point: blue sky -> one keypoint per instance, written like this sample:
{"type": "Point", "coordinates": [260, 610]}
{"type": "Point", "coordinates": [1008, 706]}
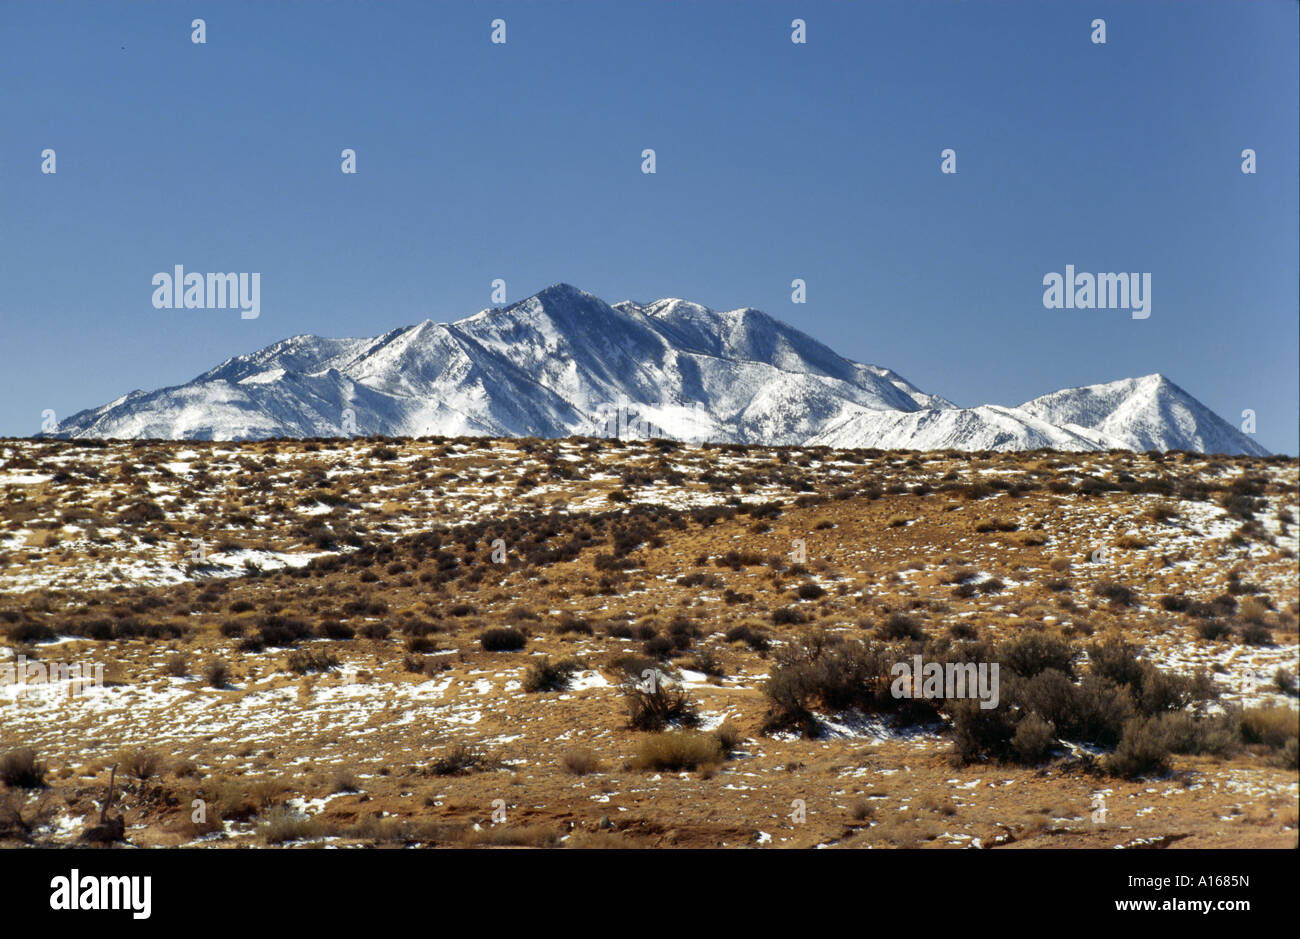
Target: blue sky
{"type": "Point", "coordinates": [775, 161]}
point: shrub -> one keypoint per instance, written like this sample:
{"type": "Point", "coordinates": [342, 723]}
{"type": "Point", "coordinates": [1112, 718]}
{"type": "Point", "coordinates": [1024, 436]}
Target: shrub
{"type": "Point", "coordinates": [31, 632]}
{"type": "Point", "coordinates": [996, 525]}
{"type": "Point", "coordinates": [676, 751]}
{"type": "Point", "coordinates": [1269, 725]}
{"type": "Point", "coordinates": [281, 824]}
{"type": "Point", "coordinates": [1174, 604]}
{"type": "Point", "coordinates": [1213, 629]}
{"type": "Point", "coordinates": [979, 732]}
{"type": "Point", "coordinates": [1185, 733]}
{"type": "Point", "coordinates": [1289, 756]}
{"type": "Point", "coordinates": [1284, 680]}
{"type": "Point", "coordinates": [333, 629]}
{"type": "Point", "coordinates": [462, 759]}
{"type": "Point", "coordinates": [861, 810]}
{"type": "Point", "coordinates": [786, 616]}
{"type": "Point", "coordinates": [545, 675]}
{"type": "Point", "coordinates": [1101, 709]}
{"type": "Point", "coordinates": [655, 706]}
{"type": "Point", "coordinates": [1252, 609]}
{"type": "Point", "coordinates": [729, 737]}
{"type": "Point", "coordinates": [1117, 661]}
{"type": "Point", "coordinates": [304, 661]}
{"type": "Point", "coordinates": [1051, 695]}
{"type": "Point", "coordinates": [1117, 594]}
{"type": "Point", "coordinates": [579, 761]}
{"type": "Point", "coordinates": [282, 631]}
{"type": "Point", "coordinates": [1029, 654]}
{"type": "Point", "coordinates": [707, 661]}
{"type": "Point", "coordinates": [1256, 634]}
{"type": "Point", "coordinates": [658, 646]}
{"type": "Point", "coordinates": [141, 763]}
{"type": "Point", "coordinates": [573, 624]}
{"type": "Point", "coordinates": [752, 638]}
{"type": "Point", "coordinates": [506, 639]}
{"type": "Point", "coordinates": [344, 781]}
{"type": "Point", "coordinates": [1160, 512]}
{"type": "Point", "coordinates": [1143, 749]}
{"type": "Point", "coordinates": [900, 626]}
{"type": "Point", "coordinates": [837, 675]}
{"type": "Point", "coordinates": [1034, 738]}
{"type": "Point", "coordinates": [810, 591]}
{"type": "Point", "coordinates": [217, 674]}
{"type": "Point", "coordinates": [20, 769]}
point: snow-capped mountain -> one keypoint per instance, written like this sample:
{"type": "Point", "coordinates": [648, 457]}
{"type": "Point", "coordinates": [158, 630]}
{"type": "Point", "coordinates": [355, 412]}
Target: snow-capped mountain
{"type": "Point", "coordinates": [565, 362]}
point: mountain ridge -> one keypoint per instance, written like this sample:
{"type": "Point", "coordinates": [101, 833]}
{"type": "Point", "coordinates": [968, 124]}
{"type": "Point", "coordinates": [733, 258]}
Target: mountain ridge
{"type": "Point", "coordinates": [564, 362]}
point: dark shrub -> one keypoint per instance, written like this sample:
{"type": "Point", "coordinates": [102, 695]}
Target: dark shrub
{"type": "Point", "coordinates": [1143, 750]}
{"type": "Point", "coordinates": [1225, 604]}
{"type": "Point", "coordinates": [786, 615]}
{"type": "Point", "coordinates": [461, 759]}
{"type": "Point", "coordinates": [1034, 738]}
{"type": "Point", "coordinates": [659, 646]}
{"type": "Point", "coordinates": [900, 626]}
{"type": "Point", "coordinates": [1213, 629]}
{"type": "Point", "coordinates": [752, 638]}
{"type": "Point", "coordinates": [1116, 661]}
{"type": "Point", "coordinates": [333, 629]}
{"type": "Point", "coordinates": [545, 675]}
{"type": "Point", "coordinates": [31, 632]}
{"type": "Point", "coordinates": [20, 769]}
{"type": "Point", "coordinates": [1256, 634]}
{"type": "Point", "coordinates": [1118, 594]}
{"type": "Point", "coordinates": [810, 591]}
{"type": "Point", "coordinates": [653, 705]}
{"type": "Point", "coordinates": [1029, 654]}
{"type": "Point", "coordinates": [573, 624]}
{"type": "Point", "coordinates": [217, 674]}
{"type": "Point", "coordinates": [978, 732]}
{"type": "Point", "coordinates": [507, 639]}
{"type": "Point", "coordinates": [1101, 708]}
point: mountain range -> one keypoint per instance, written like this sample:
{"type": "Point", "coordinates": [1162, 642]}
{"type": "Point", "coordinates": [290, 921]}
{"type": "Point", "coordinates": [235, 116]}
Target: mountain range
{"type": "Point", "coordinates": [565, 362]}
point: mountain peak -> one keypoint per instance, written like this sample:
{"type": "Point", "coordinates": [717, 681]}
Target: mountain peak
{"type": "Point", "coordinates": [560, 291]}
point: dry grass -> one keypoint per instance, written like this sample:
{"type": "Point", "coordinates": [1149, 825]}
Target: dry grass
{"type": "Point", "coordinates": [678, 751]}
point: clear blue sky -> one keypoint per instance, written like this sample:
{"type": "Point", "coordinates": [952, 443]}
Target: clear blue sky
{"type": "Point", "coordinates": [775, 161]}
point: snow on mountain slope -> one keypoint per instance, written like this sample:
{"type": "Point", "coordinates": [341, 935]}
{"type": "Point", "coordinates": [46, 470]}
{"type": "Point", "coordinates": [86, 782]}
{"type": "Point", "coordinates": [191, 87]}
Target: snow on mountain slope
{"type": "Point", "coordinates": [1148, 413]}
{"type": "Point", "coordinates": [988, 427]}
{"type": "Point", "coordinates": [562, 361]}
